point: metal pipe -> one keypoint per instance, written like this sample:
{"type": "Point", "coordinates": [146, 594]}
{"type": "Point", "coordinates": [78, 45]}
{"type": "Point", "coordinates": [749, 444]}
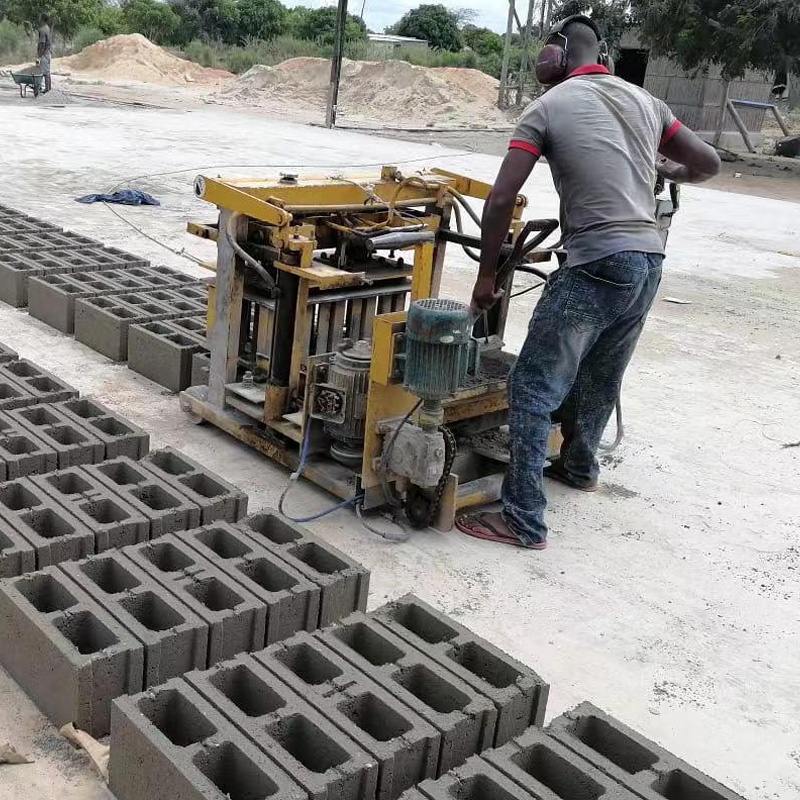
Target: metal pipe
{"type": "Point", "coordinates": [230, 235]}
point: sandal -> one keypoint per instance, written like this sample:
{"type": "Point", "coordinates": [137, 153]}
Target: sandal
{"type": "Point", "coordinates": [477, 526]}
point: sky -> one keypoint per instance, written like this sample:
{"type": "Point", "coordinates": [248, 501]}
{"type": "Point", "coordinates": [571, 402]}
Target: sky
{"type": "Point", "coordinates": [378, 14]}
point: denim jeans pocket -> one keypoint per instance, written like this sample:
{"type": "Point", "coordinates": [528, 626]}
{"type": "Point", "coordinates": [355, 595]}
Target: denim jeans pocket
{"type": "Point", "coordinates": [602, 290]}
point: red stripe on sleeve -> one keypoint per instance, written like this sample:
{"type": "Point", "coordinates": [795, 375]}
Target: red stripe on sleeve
{"type": "Point", "coordinates": [518, 144]}
{"type": "Point", "coordinates": [671, 131]}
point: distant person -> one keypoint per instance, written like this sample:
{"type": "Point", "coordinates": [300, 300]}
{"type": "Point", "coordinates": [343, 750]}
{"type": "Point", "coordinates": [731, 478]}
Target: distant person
{"type": "Point", "coordinates": [44, 50]}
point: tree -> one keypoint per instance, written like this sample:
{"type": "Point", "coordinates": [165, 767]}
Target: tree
{"type": "Point", "coordinates": [209, 20]}
{"type": "Point", "coordinates": [319, 25]}
{"type": "Point", "coordinates": [157, 21]}
{"type": "Point", "coordinates": [261, 19]}
{"type": "Point", "coordinates": [68, 15]}
{"type": "Point", "coordinates": [735, 34]}
{"type": "Point", "coordinates": [482, 40]}
{"type": "Point", "coordinates": [613, 17]}
{"type": "Point", "coordinates": [110, 19]}
{"type": "Point", "coordinates": [434, 23]}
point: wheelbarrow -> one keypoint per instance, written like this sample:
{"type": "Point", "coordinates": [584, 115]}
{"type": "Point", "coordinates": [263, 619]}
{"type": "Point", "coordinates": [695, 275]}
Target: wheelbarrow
{"type": "Point", "coordinates": [33, 79]}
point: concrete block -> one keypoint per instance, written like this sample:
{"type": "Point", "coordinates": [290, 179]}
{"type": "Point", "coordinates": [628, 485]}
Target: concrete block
{"type": "Point", "coordinates": [22, 452]}
{"type": "Point", "coordinates": [72, 444]}
{"type": "Point", "coordinates": [328, 764]}
{"type": "Point", "coordinates": [69, 655]}
{"type": "Point", "coordinates": [292, 601]}
{"type": "Point", "coordinates": [189, 300]}
{"type": "Point", "coordinates": [114, 522]}
{"type": "Point", "coordinates": [13, 394]}
{"type": "Point", "coordinates": [201, 363]}
{"type": "Point", "coordinates": [218, 499]}
{"type": "Point", "coordinates": [162, 354]}
{"type": "Point", "coordinates": [7, 354]}
{"type": "Point", "coordinates": [404, 745]}
{"type": "Point", "coordinates": [236, 619]}
{"type": "Point", "coordinates": [119, 436]}
{"type": "Point", "coordinates": [518, 693]}
{"type": "Point", "coordinates": [46, 239]}
{"type": "Point", "coordinates": [465, 719]}
{"type": "Point", "coordinates": [175, 640]}
{"type": "Point", "coordinates": [41, 385]}
{"type": "Point", "coordinates": [171, 743]}
{"type": "Point", "coordinates": [194, 326]}
{"type": "Point", "coordinates": [547, 770]}
{"type": "Point", "coordinates": [476, 780]}
{"type": "Point", "coordinates": [16, 553]}
{"type": "Point", "coordinates": [102, 323]}
{"type": "Point", "coordinates": [167, 509]}
{"type": "Point", "coordinates": [642, 766]}
{"type": "Point", "coordinates": [344, 582]}
{"type": "Point", "coordinates": [54, 533]}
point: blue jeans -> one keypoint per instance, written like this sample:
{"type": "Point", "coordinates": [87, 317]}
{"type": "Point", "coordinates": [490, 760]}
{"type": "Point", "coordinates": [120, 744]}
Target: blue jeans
{"type": "Point", "coordinates": [580, 340]}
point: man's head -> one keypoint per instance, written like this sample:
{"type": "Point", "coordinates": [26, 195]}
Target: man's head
{"type": "Point", "coordinates": [571, 43]}
{"type": "Point", "coordinates": [46, 18]}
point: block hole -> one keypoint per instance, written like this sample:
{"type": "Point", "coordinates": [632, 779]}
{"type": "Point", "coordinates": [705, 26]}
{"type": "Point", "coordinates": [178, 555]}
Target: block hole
{"type": "Point", "coordinates": [247, 691]}
{"type": "Point", "coordinates": [23, 369]}
{"type": "Point", "coordinates": [479, 787]}
{"type": "Point", "coordinates": [421, 622]}
{"type": "Point", "coordinates": [563, 778]}
{"type": "Point", "coordinates": [16, 497]}
{"type": "Point", "coordinates": [155, 497]}
{"type": "Point", "coordinates": [122, 473]}
{"type": "Point", "coordinates": [109, 575]}
{"type": "Point", "coordinates": [369, 644]}
{"type": "Point", "coordinates": [169, 462]}
{"type": "Point", "coordinates": [105, 512]}
{"type": "Point", "coordinates": [223, 543]}
{"type": "Point", "coordinates": [234, 774]}
{"type": "Point", "coordinates": [48, 524]}
{"type": "Point", "coordinates": [308, 664]}
{"type": "Point", "coordinates": [167, 558]}
{"type": "Point", "coordinates": [618, 748]}
{"type": "Point", "coordinates": [303, 740]}
{"type": "Point", "coordinates": [152, 611]}
{"type": "Point", "coordinates": [39, 415]}
{"type": "Point", "coordinates": [18, 445]}
{"type": "Point", "coordinates": [375, 718]}
{"type": "Point", "coordinates": [45, 593]}
{"type": "Point", "coordinates": [677, 785]}
{"type": "Point", "coordinates": [176, 717]}
{"type": "Point", "coordinates": [45, 385]}
{"type": "Point", "coordinates": [318, 558]}
{"type": "Point", "coordinates": [65, 434]}
{"type": "Point", "coordinates": [485, 664]}
{"type": "Point", "coordinates": [69, 483]}
{"type": "Point", "coordinates": [111, 426]}
{"type": "Point", "coordinates": [273, 528]}
{"type": "Point", "coordinates": [86, 632]}
{"type": "Point", "coordinates": [214, 594]}
{"type": "Point", "coordinates": [267, 575]}
{"type": "Point", "coordinates": [431, 689]}
{"type": "Point", "coordinates": [85, 409]}
{"type": "Point", "coordinates": [203, 485]}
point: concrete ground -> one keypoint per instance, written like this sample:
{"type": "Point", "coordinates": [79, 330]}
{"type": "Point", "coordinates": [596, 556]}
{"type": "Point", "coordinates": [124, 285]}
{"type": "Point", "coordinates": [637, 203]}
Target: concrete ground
{"type": "Point", "coordinates": [670, 598]}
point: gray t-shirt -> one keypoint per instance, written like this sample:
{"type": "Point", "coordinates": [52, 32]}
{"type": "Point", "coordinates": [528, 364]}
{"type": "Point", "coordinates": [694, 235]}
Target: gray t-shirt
{"type": "Point", "coordinates": [600, 136]}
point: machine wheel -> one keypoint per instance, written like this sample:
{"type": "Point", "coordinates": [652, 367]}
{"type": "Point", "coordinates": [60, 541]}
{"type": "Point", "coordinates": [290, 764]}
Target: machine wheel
{"type": "Point", "coordinates": [418, 508]}
{"type": "Point", "coordinates": [195, 419]}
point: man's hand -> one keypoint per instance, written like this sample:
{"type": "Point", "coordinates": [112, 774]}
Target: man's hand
{"type": "Point", "coordinates": [670, 170]}
{"type": "Point", "coordinates": [484, 295]}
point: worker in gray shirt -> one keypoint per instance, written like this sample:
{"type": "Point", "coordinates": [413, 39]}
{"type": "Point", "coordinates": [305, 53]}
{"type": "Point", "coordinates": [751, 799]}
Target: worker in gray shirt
{"type": "Point", "coordinates": [605, 140]}
{"type": "Point", "coordinates": [44, 49]}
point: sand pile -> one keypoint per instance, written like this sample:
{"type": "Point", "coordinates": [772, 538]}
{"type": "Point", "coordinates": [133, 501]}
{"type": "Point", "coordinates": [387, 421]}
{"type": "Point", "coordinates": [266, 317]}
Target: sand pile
{"type": "Point", "coordinates": [377, 92]}
{"type": "Point", "coordinates": [135, 58]}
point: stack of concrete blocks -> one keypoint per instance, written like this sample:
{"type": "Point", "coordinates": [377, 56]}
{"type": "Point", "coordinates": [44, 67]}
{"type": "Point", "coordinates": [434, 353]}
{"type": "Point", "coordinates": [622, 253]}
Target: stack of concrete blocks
{"type": "Point", "coordinates": [584, 754]}
{"type": "Point", "coordinates": [104, 296]}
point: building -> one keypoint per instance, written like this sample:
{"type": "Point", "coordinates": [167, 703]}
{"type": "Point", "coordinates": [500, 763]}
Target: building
{"type": "Point", "coordinates": [697, 98]}
{"type": "Point", "coordinates": [383, 45]}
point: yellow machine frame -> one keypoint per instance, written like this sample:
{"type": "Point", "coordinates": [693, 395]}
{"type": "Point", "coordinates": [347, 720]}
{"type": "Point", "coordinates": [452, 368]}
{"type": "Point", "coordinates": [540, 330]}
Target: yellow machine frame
{"type": "Point", "coordinates": [291, 220]}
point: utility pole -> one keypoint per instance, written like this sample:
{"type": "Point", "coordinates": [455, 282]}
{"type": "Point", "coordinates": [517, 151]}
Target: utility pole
{"type": "Point", "coordinates": [336, 64]}
{"type": "Point", "coordinates": [523, 64]}
{"type": "Point", "coordinates": [502, 100]}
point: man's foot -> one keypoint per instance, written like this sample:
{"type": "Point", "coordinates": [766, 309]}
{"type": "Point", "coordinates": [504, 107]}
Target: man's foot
{"type": "Point", "coordinates": [491, 526]}
{"type": "Point", "coordinates": [556, 473]}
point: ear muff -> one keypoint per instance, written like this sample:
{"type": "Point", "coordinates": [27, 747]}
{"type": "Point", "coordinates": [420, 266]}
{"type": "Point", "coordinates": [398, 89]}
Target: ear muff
{"type": "Point", "coordinates": [551, 65]}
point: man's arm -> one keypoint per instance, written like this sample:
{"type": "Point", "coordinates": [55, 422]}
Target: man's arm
{"type": "Point", "coordinates": [497, 214]}
{"type": "Point", "coordinates": [42, 46]}
{"type": "Point", "coordinates": [689, 158]}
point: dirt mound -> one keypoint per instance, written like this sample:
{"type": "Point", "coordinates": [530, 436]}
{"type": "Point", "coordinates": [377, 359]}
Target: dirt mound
{"type": "Point", "coordinates": [378, 92]}
{"type": "Point", "coordinates": [135, 58]}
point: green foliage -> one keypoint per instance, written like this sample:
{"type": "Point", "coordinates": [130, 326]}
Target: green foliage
{"type": "Point", "coordinates": [208, 20]}
{"type": "Point", "coordinates": [261, 19]}
{"type": "Point", "coordinates": [68, 15]}
{"type": "Point", "coordinates": [482, 40]}
{"type": "Point", "coordinates": [736, 34]}
{"type": "Point", "coordinates": [157, 21]}
{"type": "Point", "coordinates": [16, 44]}
{"type": "Point", "coordinates": [319, 24]}
{"type": "Point", "coordinates": [85, 37]}
{"type": "Point", "coordinates": [110, 20]}
{"type": "Point", "coordinates": [434, 23]}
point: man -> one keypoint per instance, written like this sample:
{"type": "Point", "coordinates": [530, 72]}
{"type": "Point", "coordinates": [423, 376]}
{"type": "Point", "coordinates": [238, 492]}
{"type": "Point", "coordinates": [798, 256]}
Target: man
{"type": "Point", "coordinates": [602, 138]}
{"type": "Point", "coordinates": [44, 49]}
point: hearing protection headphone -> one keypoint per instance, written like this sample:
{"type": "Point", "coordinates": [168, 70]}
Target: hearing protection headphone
{"type": "Point", "coordinates": [551, 65]}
